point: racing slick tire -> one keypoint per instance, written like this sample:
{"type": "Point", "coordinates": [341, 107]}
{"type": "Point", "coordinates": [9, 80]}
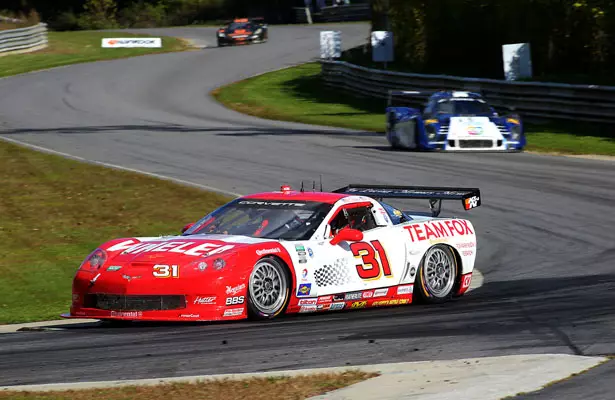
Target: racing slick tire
{"type": "Point", "coordinates": [269, 289]}
{"type": "Point", "coordinates": [437, 274]}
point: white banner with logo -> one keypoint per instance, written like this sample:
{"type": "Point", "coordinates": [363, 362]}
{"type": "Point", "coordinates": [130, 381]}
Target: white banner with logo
{"type": "Point", "coordinates": [330, 44]}
{"type": "Point", "coordinates": [132, 42]}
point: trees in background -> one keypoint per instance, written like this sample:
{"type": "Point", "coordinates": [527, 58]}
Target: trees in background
{"type": "Point", "coordinates": [464, 37]}
{"type": "Point", "coordinates": [102, 14]}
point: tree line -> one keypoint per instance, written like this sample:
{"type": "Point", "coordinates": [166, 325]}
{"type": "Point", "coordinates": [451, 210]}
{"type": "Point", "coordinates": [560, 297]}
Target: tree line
{"type": "Point", "coordinates": [569, 39]}
{"type": "Point", "coordinates": [109, 14]}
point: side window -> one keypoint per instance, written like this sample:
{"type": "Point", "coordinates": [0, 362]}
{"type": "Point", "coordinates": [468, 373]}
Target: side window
{"type": "Point", "coordinates": [359, 218]}
{"type": "Point", "coordinates": [429, 109]}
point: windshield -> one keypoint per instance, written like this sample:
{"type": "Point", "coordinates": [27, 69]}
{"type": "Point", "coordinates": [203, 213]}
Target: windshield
{"type": "Point", "coordinates": [240, 25]}
{"type": "Point", "coordinates": [287, 220]}
{"type": "Point", "coordinates": [463, 107]}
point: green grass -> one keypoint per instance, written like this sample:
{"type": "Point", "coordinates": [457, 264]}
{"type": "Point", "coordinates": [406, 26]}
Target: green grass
{"type": "Point", "coordinates": [55, 211]}
{"type": "Point", "coordinates": [269, 388]}
{"type": "Point", "coordinates": [79, 47]}
{"type": "Point", "coordinates": [297, 94]}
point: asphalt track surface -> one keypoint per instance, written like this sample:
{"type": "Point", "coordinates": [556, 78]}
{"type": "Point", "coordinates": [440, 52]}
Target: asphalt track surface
{"type": "Point", "coordinates": [545, 230]}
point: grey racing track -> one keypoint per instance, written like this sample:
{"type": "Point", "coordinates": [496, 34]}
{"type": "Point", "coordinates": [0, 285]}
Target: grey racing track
{"type": "Point", "coordinates": [545, 230]}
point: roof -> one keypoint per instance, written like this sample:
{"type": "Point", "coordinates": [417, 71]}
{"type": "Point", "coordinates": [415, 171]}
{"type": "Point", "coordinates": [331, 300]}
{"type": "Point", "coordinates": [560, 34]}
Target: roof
{"type": "Point", "coordinates": [321, 197]}
{"type": "Point", "coordinates": [451, 94]}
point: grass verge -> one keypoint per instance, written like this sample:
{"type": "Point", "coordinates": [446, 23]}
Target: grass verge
{"type": "Point", "coordinates": [272, 388]}
{"type": "Point", "coordinates": [78, 47]}
{"type": "Point", "coordinates": [297, 94]}
{"type": "Point", "coordinates": [55, 211]}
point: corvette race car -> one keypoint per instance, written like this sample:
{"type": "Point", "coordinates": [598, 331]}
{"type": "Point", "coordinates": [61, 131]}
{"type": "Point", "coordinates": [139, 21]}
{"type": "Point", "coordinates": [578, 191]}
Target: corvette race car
{"type": "Point", "coordinates": [268, 254]}
{"type": "Point", "coordinates": [452, 120]}
{"type": "Point", "coordinates": [243, 31]}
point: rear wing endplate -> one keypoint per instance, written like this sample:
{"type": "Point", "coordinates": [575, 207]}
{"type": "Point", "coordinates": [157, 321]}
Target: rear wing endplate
{"type": "Point", "coordinates": [470, 197]}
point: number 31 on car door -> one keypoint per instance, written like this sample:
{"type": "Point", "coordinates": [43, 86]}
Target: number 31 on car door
{"type": "Point", "coordinates": [373, 262]}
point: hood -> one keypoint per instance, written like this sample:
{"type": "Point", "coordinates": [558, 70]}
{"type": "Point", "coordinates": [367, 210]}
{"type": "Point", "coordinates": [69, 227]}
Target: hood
{"type": "Point", "coordinates": [473, 128]}
{"type": "Point", "coordinates": [180, 249]}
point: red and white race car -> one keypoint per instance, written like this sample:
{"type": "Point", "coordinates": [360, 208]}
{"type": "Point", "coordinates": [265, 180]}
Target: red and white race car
{"type": "Point", "coordinates": [268, 254]}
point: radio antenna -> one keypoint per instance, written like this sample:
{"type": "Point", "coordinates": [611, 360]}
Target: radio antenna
{"type": "Point", "coordinates": [313, 186]}
{"type": "Point", "coordinates": [321, 182]}
{"type": "Point", "coordinates": [302, 187]}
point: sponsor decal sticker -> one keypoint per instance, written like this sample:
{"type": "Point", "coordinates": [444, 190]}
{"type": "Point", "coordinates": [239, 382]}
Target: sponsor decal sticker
{"type": "Point", "coordinates": [203, 300]}
{"type": "Point", "coordinates": [471, 202]}
{"type": "Point", "coordinates": [405, 289]}
{"type": "Point", "coordinates": [358, 304]}
{"type": "Point", "coordinates": [324, 299]}
{"type": "Point", "coordinates": [304, 273]}
{"type": "Point", "coordinates": [466, 253]}
{"type": "Point", "coordinates": [381, 292]}
{"type": "Point", "coordinates": [306, 309]}
{"type": "Point", "coordinates": [466, 245]}
{"type": "Point", "coordinates": [310, 252]}
{"type": "Point", "coordinates": [268, 251]}
{"type": "Point", "coordinates": [368, 295]}
{"type": "Point", "coordinates": [353, 296]}
{"type": "Point", "coordinates": [232, 301]}
{"type": "Point", "coordinates": [467, 280]}
{"type": "Point", "coordinates": [395, 302]}
{"type": "Point", "coordinates": [337, 306]}
{"type": "Point", "coordinates": [338, 297]}
{"type": "Point", "coordinates": [299, 247]}
{"type": "Point", "coordinates": [127, 314]}
{"type": "Point", "coordinates": [233, 312]}
{"type": "Point", "coordinates": [308, 302]}
{"type": "Point", "coordinates": [234, 290]}
{"type": "Point", "coordinates": [438, 229]}
{"type": "Point", "coordinates": [189, 315]}
{"type": "Point", "coordinates": [197, 249]}
{"type": "Point", "coordinates": [304, 289]}
{"type": "Point", "coordinates": [114, 268]}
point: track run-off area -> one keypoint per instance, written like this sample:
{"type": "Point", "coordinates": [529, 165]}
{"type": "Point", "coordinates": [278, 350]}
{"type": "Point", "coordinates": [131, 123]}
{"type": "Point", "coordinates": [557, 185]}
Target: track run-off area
{"type": "Point", "coordinates": [546, 241]}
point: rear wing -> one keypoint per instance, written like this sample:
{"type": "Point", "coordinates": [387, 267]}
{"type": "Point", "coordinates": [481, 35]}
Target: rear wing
{"type": "Point", "coordinates": [470, 197]}
{"type": "Point", "coordinates": [404, 93]}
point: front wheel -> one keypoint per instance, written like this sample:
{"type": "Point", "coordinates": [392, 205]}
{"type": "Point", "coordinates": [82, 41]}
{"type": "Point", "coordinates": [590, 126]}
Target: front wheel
{"type": "Point", "coordinates": [437, 274]}
{"type": "Point", "coordinates": [268, 289]}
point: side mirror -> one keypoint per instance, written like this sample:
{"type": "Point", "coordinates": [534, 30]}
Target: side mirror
{"type": "Point", "coordinates": [348, 235]}
{"type": "Point", "coordinates": [185, 228]}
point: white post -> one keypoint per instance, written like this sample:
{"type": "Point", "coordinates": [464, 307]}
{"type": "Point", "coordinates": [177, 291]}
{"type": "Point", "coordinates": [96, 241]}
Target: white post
{"type": "Point", "coordinates": [308, 14]}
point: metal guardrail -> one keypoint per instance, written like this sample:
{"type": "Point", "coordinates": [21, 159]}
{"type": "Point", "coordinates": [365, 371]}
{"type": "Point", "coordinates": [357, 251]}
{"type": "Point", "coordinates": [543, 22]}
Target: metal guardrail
{"type": "Point", "coordinates": [532, 100]}
{"type": "Point", "coordinates": [343, 13]}
{"type": "Point", "coordinates": [23, 38]}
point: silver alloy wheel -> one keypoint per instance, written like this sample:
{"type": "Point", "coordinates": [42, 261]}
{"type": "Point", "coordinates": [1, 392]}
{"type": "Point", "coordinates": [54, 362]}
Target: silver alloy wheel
{"type": "Point", "coordinates": [439, 272]}
{"type": "Point", "coordinates": [268, 287]}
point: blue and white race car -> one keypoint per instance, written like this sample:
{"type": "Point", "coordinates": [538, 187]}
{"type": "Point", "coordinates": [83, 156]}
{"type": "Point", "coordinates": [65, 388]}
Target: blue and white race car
{"type": "Point", "coordinates": [452, 120]}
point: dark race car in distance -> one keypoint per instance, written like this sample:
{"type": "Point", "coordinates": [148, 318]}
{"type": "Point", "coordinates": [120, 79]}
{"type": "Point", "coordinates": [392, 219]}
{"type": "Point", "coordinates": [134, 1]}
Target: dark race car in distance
{"type": "Point", "coordinates": [243, 31]}
{"type": "Point", "coordinates": [452, 121]}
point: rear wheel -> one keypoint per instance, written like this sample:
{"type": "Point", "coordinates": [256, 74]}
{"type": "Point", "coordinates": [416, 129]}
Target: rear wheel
{"type": "Point", "coordinates": [268, 289]}
{"type": "Point", "coordinates": [437, 275]}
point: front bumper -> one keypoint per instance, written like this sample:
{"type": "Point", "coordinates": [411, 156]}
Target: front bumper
{"type": "Point", "coordinates": [226, 40]}
{"type": "Point", "coordinates": [474, 145]}
{"type": "Point", "coordinates": [117, 296]}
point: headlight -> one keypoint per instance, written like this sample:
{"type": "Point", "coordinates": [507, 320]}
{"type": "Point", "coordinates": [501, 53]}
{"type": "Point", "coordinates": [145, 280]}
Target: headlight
{"type": "Point", "coordinates": [431, 132]}
{"type": "Point", "coordinates": [258, 31]}
{"type": "Point", "coordinates": [95, 260]}
{"type": "Point", "coordinates": [515, 132]}
{"type": "Point", "coordinates": [220, 34]}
